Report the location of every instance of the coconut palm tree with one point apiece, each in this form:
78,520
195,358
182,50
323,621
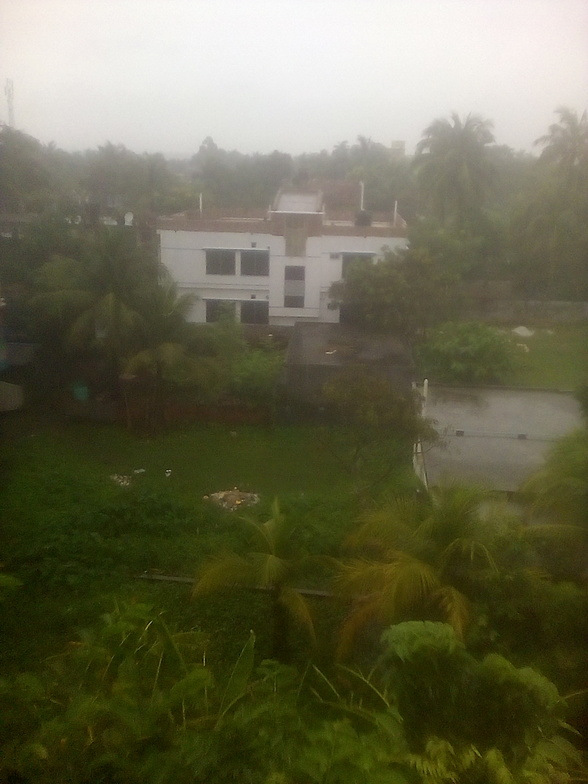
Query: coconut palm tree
271,564
418,560
452,166
566,145
118,274
163,356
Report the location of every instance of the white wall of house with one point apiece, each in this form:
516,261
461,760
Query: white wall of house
184,255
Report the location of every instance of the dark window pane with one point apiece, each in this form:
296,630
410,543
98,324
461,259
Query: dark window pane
255,262
220,262
294,273
217,308
351,258
293,302
255,312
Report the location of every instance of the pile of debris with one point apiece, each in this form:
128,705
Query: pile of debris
232,499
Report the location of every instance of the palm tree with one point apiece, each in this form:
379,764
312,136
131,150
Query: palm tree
452,166
164,355
270,564
118,274
560,488
566,146
420,556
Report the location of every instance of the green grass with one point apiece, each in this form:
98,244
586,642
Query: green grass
557,358
202,458
78,541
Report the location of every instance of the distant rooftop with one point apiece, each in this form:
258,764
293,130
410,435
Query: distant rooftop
298,201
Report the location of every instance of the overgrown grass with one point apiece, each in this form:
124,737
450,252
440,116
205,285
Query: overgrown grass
557,358
77,540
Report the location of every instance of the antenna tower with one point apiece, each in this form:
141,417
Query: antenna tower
9,91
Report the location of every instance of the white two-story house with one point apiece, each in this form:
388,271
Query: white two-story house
274,267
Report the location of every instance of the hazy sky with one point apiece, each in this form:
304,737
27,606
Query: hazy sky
293,75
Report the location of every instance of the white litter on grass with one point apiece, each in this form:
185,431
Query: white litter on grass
232,499
523,332
168,472
121,479
139,471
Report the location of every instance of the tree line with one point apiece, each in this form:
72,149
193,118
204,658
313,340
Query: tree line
492,212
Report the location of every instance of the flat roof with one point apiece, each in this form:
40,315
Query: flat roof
298,202
495,437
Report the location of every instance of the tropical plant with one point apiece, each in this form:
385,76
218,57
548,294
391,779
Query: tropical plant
559,490
420,558
271,564
452,166
468,353
373,427
566,146
163,357
549,235
469,720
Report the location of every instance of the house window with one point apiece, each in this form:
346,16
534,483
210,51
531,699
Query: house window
294,286
294,273
217,308
220,262
293,301
255,262
254,312
349,258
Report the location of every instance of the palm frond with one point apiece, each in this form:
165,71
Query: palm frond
223,571
360,577
299,609
363,613
389,526
268,568
409,585
455,607
469,550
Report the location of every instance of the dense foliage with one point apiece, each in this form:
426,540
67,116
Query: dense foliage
489,614
467,353
509,215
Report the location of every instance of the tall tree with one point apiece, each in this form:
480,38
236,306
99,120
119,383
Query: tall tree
549,229
118,275
566,146
453,168
163,356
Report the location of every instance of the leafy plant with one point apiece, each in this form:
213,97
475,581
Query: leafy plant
467,353
417,557
271,563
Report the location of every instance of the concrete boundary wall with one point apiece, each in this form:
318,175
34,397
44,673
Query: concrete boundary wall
509,311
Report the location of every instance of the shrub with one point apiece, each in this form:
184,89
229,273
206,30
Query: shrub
467,353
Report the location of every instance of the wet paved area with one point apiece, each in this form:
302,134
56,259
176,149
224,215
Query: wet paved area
497,437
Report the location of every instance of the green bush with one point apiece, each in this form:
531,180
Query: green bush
254,375
467,353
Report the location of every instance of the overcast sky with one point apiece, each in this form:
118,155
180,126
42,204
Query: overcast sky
293,75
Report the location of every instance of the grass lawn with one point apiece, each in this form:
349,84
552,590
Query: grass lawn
202,458
557,358
78,541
